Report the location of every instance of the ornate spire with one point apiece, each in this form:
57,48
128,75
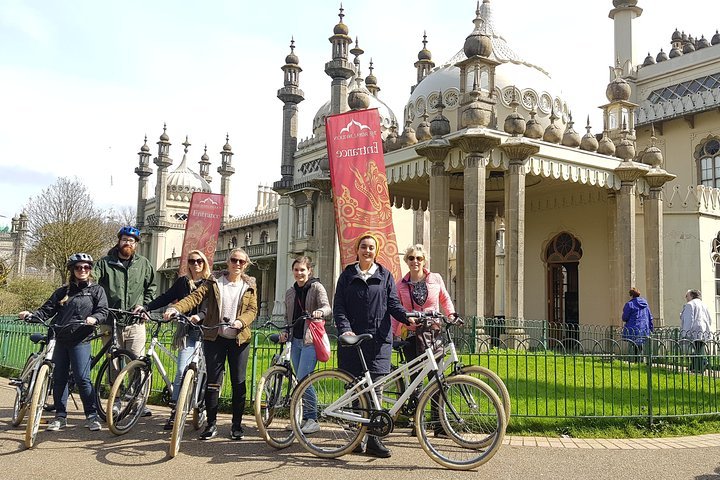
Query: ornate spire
371,80
588,143
205,166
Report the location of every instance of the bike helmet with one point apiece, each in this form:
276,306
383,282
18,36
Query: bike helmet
79,257
130,232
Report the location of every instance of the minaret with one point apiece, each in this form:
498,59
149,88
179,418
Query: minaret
163,161
291,96
205,166
226,170
623,14
424,63
20,229
143,171
339,68
371,81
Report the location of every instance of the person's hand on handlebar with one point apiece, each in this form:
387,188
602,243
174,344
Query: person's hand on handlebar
91,321
24,315
317,314
141,312
170,313
282,338
194,319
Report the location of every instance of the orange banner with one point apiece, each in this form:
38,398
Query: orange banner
202,226
359,183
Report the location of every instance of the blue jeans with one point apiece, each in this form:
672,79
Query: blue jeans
77,356
183,359
304,360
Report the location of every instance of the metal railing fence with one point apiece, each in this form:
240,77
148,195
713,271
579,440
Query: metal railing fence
551,371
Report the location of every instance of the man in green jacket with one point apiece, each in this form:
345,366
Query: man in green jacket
129,282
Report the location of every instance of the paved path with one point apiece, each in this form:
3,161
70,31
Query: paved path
77,453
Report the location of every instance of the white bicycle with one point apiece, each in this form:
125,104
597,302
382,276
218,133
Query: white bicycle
460,420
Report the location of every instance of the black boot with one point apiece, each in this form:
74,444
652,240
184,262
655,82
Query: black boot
376,448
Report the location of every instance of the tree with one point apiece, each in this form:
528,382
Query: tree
63,220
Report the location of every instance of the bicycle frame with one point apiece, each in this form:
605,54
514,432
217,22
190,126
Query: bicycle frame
153,358
419,367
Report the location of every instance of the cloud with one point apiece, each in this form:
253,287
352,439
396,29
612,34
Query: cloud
21,176
19,16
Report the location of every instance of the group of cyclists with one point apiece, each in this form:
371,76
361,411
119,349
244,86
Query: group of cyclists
368,300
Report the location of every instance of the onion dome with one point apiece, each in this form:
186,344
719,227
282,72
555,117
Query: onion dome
688,47
661,57
424,54
625,149
371,80
423,131
652,155
675,52
227,147
408,136
703,42
164,136
341,28
588,143
606,146
145,147
552,132
676,37
514,123
477,43
715,38
440,125
649,60
182,182
475,114
391,142
533,128
571,138
618,89
292,59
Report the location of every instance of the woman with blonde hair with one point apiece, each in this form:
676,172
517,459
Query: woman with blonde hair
228,301
198,270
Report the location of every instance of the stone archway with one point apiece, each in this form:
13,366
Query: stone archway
562,258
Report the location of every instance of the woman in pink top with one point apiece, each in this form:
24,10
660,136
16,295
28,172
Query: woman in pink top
420,290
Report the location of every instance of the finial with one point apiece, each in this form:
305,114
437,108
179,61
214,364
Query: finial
292,44
588,127
477,9
186,143
371,66
341,14
440,105
653,138
424,40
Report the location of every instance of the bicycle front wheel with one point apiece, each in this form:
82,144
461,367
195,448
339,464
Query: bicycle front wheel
334,436
494,381
272,406
462,428
106,375
182,408
128,397
39,394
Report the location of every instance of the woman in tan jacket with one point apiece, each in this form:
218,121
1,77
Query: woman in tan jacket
229,301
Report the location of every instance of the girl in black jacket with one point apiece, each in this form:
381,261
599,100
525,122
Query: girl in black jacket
80,304
184,340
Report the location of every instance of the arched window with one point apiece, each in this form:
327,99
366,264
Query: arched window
562,257
264,236
707,155
248,238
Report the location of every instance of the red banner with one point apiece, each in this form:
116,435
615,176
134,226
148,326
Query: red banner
202,226
359,183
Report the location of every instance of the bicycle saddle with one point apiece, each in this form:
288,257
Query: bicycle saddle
38,337
351,340
275,338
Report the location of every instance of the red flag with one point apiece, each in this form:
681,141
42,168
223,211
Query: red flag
202,226
359,183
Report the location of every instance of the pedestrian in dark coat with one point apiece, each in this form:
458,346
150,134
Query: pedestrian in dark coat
365,298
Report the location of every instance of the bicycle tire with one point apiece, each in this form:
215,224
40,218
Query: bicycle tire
494,381
198,417
472,439
336,437
104,379
35,411
182,408
128,397
20,405
272,406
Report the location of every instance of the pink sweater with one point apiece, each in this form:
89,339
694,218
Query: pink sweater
438,296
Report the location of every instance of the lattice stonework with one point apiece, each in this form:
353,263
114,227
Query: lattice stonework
685,88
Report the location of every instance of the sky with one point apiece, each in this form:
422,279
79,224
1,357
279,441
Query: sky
83,81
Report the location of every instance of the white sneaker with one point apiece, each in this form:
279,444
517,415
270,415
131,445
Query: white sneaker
92,423
58,424
311,426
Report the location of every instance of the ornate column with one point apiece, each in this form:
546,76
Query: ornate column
264,267
613,264
282,265
460,261
143,171
518,150
325,231
489,310
653,218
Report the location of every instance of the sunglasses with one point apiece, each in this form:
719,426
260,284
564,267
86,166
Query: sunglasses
129,241
239,261
412,258
82,268
195,261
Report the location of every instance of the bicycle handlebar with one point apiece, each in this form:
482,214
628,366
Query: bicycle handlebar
270,323
47,323
181,318
430,315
